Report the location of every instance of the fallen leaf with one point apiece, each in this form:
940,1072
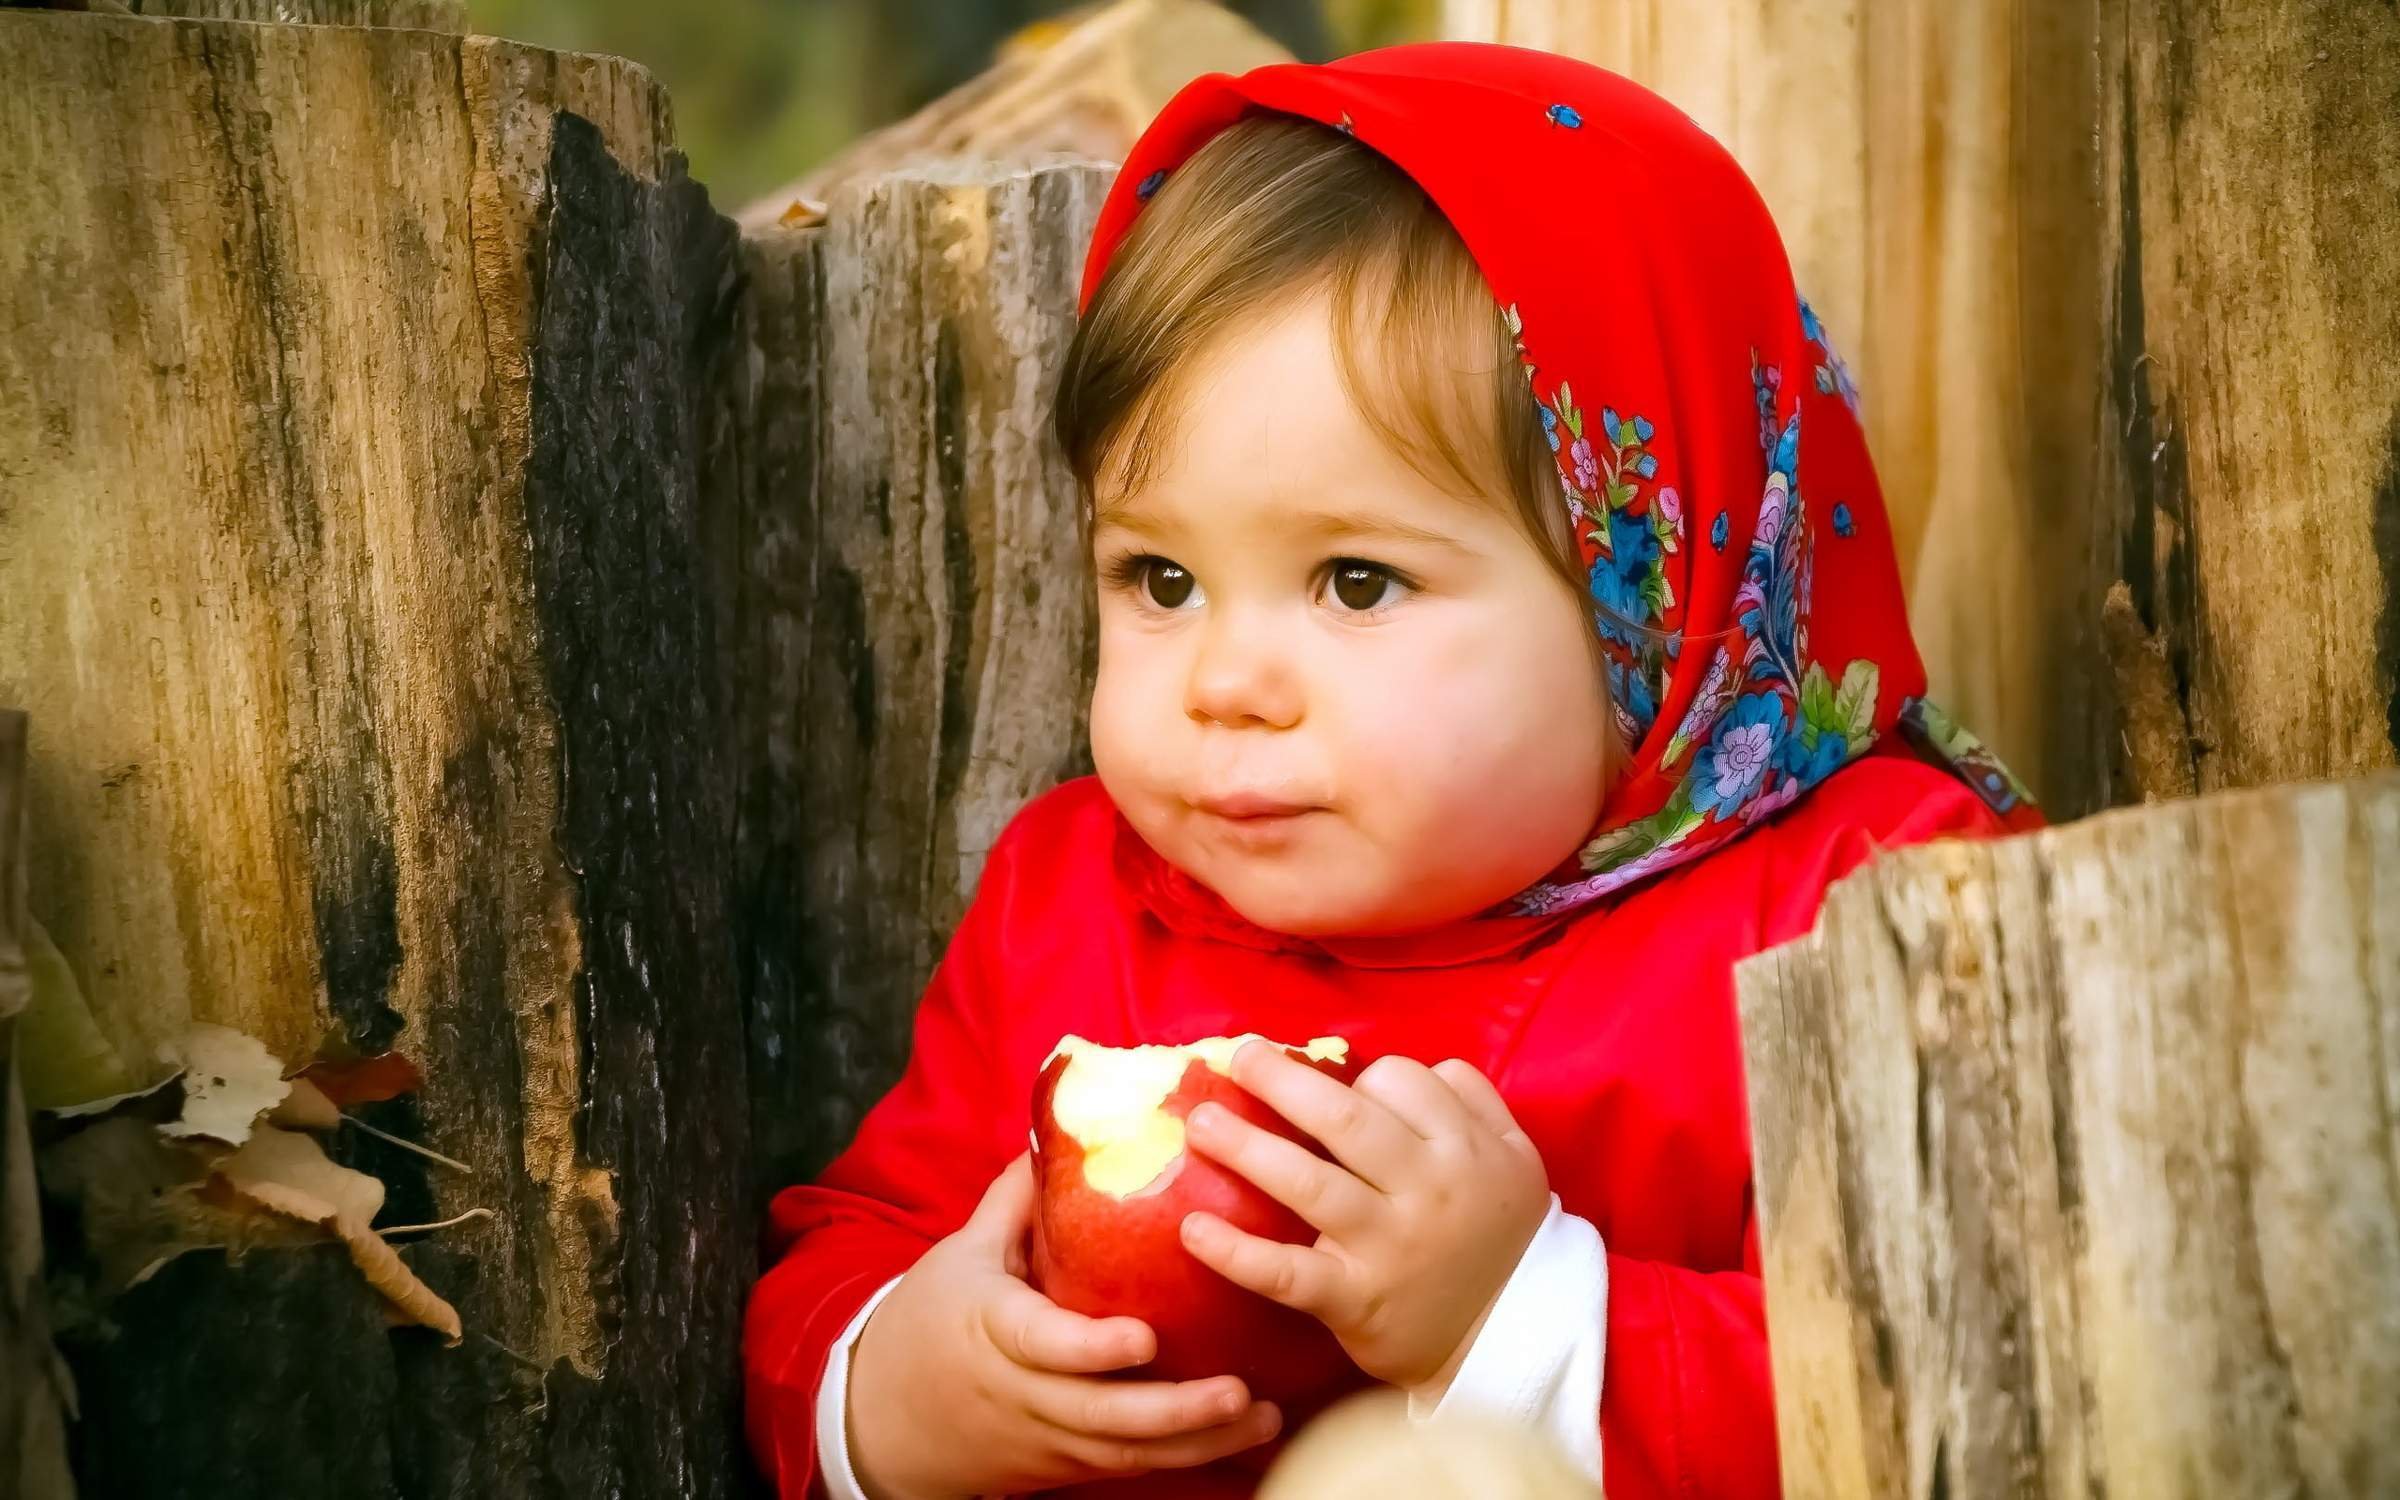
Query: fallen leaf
142,1201
802,213
408,1299
62,1054
229,1080
364,1080
290,1159
305,1108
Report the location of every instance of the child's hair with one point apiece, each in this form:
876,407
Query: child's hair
1268,209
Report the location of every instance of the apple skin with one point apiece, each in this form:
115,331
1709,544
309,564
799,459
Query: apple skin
1104,1256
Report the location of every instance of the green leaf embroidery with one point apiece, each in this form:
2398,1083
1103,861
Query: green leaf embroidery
1818,712
1855,704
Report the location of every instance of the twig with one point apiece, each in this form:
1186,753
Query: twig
472,1213
425,1151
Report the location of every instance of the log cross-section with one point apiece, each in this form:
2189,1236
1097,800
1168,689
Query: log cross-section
2078,1170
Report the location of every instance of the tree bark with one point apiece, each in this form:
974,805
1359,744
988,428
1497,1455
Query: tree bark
351,456
912,636
2249,459
420,15
36,1392
1929,164
2076,1161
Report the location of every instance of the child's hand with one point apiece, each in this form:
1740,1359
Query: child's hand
1432,1197
967,1381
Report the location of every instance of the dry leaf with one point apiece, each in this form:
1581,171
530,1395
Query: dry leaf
409,1299
297,1161
365,1080
143,1201
306,1108
802,213
62,1054
229,1080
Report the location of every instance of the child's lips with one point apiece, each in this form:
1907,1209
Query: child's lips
1251,807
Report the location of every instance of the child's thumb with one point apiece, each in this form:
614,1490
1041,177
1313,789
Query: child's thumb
1001,1219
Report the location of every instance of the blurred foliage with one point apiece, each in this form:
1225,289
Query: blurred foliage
763,89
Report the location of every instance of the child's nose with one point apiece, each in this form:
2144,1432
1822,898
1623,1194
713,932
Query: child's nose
1243,672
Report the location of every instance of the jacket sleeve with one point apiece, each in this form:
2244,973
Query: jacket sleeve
1687,1405
920,1162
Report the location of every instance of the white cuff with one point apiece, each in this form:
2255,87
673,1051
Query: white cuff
833,1407
1538,1358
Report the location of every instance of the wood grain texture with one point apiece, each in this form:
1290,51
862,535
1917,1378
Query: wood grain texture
914,632
2248,486
351,429
1930,165
421,15
2077,1165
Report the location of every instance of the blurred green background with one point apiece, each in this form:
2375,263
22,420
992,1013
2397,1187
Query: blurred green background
764,89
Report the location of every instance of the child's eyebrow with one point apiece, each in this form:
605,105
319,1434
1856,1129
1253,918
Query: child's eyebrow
1323,525
1331,524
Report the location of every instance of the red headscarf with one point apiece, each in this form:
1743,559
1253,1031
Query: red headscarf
1752,618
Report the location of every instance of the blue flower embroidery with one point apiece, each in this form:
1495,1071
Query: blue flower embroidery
1729,768
1632,556
1150,184
1561,114
1844,524
1718,530
1549,427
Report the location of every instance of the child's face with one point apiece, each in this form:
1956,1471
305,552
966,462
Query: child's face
1290,612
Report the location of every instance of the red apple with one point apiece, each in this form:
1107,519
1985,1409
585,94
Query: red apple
1115,1181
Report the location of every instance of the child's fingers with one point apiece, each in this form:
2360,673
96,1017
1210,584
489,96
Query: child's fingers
1425,1102
1125,1456
1298,1276
1361,1132
1476,1092
1134,1410
1035,1332
1006,1209
1334,1200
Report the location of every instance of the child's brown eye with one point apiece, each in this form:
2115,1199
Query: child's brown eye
1359,586
1167,584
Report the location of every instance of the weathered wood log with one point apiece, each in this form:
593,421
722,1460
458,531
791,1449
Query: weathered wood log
2077,1167
351,422
421,15
911,628
1929,163
36,1392
1081,85
2249,460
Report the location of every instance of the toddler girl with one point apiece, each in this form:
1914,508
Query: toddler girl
1482,672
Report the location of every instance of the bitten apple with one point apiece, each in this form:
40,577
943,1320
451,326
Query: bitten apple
1115,1182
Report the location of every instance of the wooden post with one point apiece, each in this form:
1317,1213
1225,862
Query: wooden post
36,1392
1929,163
420,15
2249,461
351,438
2076,1159
912,633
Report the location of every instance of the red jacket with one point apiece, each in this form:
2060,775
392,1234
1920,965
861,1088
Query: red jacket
1611,1033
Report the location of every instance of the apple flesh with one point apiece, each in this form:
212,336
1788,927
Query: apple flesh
1115,1181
